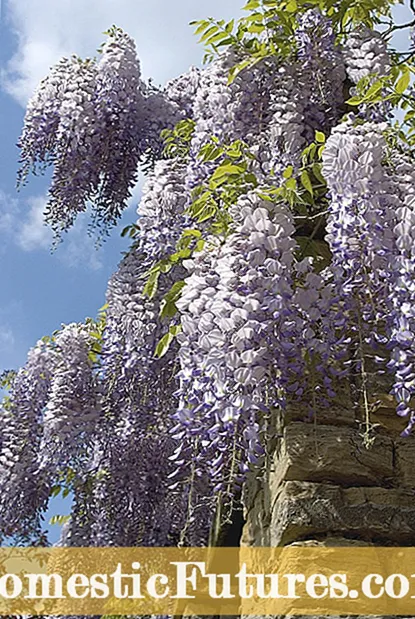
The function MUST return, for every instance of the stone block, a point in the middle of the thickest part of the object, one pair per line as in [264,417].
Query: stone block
[405,461]
[331,454]
[303,510]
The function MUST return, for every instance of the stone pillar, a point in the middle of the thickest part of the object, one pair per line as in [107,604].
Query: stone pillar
[321,483]
[322,486]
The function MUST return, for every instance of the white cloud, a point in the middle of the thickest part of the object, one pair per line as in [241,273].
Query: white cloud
[23,225]
[34,234]
[8,211]
[77,248]
[49,29]
[80,249]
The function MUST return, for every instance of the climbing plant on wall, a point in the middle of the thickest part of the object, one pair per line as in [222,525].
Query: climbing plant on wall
[272,259]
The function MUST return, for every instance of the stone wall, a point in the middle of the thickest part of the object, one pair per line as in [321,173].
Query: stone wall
[321,483]
[322,486]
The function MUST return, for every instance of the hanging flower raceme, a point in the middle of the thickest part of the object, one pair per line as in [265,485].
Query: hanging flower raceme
[284,140]
[39,136]
[164,108]
[24,489]
[76,176]
[365,53]
[93,121]
[234,309]
[320,340]
[73,408]
[362,218]
[320,71]
[133,324]
[181,92]
[120,125]
[213,111]
[361,212]
[131,457]
[402,315]
[262,107]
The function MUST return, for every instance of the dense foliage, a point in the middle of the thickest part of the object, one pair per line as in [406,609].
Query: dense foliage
[272,260]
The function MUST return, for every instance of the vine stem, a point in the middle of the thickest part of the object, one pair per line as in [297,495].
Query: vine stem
[363,374]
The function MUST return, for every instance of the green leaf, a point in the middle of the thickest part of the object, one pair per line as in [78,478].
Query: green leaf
[409,115]
[61,520]
[165,342]
[291,6]
[220,37]
[182,254]
[193,232]
[252,5]
[125,231]
[150,288]
[237,69]
[228,169]
[175,291]
[373,90]
[201,27]
[200,245]
[316,167]
[96,334]
[210,152]
[208,212]
[256,28]
[288,172]
[164,345]
[209,33]
[229,26]
[403,82]
[306,182]
[55,491]
[168,309]
[354,101]
[320,137]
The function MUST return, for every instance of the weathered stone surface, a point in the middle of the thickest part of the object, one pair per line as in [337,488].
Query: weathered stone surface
[256,529]
[331,454]
[383,415]
[331,542]
[405,461]
[340,412]
[302,510]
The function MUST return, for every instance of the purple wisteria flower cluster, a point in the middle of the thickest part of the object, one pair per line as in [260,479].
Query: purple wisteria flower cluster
[94,120]
[147,444]
[234,300]
[322,72]
[365,53]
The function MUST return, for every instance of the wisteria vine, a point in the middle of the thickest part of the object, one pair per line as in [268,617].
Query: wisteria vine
[272,255]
